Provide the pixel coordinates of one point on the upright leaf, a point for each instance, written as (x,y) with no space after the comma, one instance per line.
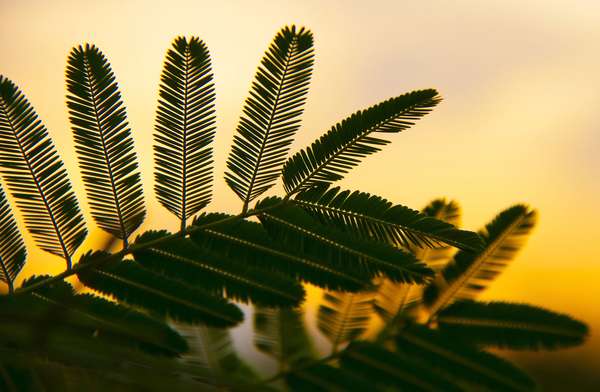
(371,216)
(12,248)
(271,114)
(329,158)
(343,317)
(509,325)
(185,128)
(127,281)
(468,273)
(103,142)
(36,177)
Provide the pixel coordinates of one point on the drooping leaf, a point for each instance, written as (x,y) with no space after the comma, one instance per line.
(459,362)
(371,216)
(343,317)
(290,225)
(280,333)
(510,325)
(185,128)
(330,157)
(36,177)
(183,260)
(248,243)
(469,272)
(127,281)
(271,114)
(103,142)
(12,247)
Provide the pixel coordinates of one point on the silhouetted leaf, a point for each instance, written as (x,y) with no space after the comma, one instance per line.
(103,142)
(271,114)
(325,378)
(12,248)
(36,177)
(185,128)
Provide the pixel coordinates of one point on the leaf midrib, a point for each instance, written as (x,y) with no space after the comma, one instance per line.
(520,325)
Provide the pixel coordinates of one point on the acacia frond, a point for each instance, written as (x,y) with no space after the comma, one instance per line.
(292,226)
(326,378)
(330,157)
(510,325)
(185,128)
(469,272)
(248,243)
(181,259)
(12,247)
(271,114)
(343,317)
(103,142)
(127,281)
(371,216)
(36,177)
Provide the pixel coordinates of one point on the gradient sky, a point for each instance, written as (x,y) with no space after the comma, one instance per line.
(519,121)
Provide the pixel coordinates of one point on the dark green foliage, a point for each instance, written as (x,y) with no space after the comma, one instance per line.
(127,281)
(343,317)
(36,177)
(453,360)
(325,378)
(248,242)
(469,272)
(371,216)
(182,259)
(280,333)
(271,114)
(12,248)
(510,325)
(292,226)
(103,142)
(185,128)
(329,158)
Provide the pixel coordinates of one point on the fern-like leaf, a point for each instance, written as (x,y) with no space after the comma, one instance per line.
(371,216)
(510,325)
(246,242)
(183,260)
(468,273)
(36,177)
(271,114)
(103,142)
(127,281)
(329,158)
(185,128)
(280,333)
(343,317)
(292,226)
(326,378)
(12,248)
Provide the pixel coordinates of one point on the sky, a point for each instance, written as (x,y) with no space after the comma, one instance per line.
(519,121)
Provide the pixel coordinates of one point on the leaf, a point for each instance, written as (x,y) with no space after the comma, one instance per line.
(387,370)
(185,129)
(280,333)
(343,317)
(36,177)
(460,363)
(325,378)
(510,325)
(127,281)
(271,114)
(292,226)
(469,272)
(12,248)
(330,157)
(371,216)
(393,299)
(183,260)
(248,243)
(103,142)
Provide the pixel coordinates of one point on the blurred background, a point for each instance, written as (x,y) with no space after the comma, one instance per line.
(519,121)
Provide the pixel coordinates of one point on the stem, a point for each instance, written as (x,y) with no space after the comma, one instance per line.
(137,247)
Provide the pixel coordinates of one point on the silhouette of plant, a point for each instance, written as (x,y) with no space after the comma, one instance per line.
(173,294)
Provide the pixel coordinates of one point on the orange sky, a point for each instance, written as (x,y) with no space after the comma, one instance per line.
(519,121)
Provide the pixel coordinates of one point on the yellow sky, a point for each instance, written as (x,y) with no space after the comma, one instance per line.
(519,121)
